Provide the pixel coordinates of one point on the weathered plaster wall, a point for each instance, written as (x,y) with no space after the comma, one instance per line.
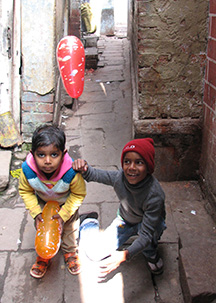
(38,36)
(169,50)
(208,158)
(42,24)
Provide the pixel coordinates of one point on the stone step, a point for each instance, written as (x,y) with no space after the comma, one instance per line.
(90,41)
(91,54)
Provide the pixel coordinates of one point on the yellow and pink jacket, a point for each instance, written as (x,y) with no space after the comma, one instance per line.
(66,186)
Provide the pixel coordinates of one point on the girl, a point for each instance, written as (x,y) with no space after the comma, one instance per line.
(47,175)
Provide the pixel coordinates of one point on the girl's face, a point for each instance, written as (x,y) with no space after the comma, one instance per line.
(134,167)
(48,158)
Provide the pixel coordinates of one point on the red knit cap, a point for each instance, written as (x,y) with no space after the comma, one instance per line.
(144,147)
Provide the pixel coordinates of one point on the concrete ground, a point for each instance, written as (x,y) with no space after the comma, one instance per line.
(97,127)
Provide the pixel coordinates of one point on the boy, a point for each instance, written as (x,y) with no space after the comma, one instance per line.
(47,175)
(141,210)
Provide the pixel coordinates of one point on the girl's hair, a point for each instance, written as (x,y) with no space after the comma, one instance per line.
(45,135)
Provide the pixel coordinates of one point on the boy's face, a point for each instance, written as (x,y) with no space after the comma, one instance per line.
(134,167)
(48,158)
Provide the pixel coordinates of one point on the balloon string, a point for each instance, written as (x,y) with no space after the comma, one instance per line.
(80,128)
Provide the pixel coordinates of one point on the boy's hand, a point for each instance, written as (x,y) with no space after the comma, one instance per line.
(80,165)
(38,219)
(112,262)
(61,222)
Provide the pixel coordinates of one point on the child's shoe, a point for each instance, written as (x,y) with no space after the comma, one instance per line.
(73,263)
(155,265)
(39,268)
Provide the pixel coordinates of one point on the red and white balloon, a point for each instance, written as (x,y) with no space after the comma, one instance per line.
(71,63)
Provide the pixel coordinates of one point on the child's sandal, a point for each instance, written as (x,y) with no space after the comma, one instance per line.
(155,265)
(73,263)
(39,269)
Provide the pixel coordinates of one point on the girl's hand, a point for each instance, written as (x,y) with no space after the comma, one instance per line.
(38,219)
(80,165)
(61,222)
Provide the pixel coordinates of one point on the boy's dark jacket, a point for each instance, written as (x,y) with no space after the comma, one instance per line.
(140,203)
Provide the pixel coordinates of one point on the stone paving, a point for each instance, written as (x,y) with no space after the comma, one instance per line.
(97,127)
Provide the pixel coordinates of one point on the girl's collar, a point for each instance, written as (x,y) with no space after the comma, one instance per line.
(66,164)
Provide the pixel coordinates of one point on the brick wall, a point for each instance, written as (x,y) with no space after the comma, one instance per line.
(169,40)
(208,158)
(36,110)
(171,58)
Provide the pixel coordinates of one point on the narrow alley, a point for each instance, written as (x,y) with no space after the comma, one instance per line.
(97,127)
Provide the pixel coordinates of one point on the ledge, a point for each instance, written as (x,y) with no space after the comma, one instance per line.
(167,126)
